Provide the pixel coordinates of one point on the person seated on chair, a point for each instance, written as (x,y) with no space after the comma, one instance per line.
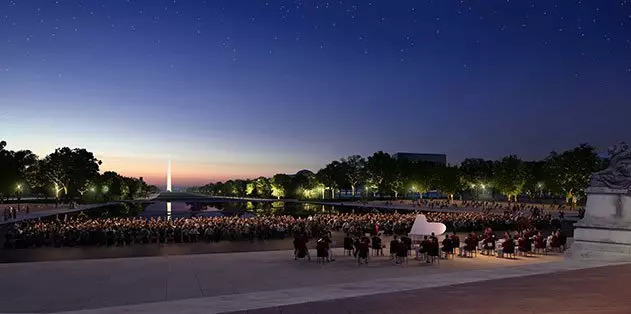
(508,247)
(562,240)
(407,242)
(394,244)
(362,252)
(455,242)
(327,244)
(555,241)
(475,238)
(488,244)
(424,248)
(529,241)
(322,250)
(348,244)
(434,249)
(401,253)
(522,245)
(488,232)
(447,246)
(471,243)
(539,242)
(517,235)
(376,245)
(356,243)
(433,238)
(300,247)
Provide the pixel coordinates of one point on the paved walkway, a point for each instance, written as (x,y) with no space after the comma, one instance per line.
(314,297)
(596,290)
(229,282)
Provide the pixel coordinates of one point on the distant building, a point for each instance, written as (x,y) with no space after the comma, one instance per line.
(440,159)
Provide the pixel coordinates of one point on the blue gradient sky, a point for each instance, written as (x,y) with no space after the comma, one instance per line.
(248,88)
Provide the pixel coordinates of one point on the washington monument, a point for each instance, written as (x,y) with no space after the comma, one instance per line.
(169,176)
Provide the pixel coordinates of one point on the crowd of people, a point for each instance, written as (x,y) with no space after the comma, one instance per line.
(430,248)
(477,205)
(80,230)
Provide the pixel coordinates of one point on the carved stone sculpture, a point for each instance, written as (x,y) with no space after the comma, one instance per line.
(605,231)
(618,174)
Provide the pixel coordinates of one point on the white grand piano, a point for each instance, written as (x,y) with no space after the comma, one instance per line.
(422,227)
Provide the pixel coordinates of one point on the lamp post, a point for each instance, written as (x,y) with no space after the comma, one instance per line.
(18,194)
(105,190)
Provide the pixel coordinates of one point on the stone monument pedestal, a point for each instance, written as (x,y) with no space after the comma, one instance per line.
(605,230)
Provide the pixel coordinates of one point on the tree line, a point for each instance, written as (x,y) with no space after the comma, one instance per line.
(563,174)
(66,174)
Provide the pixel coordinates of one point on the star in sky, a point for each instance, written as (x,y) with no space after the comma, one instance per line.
(324,77)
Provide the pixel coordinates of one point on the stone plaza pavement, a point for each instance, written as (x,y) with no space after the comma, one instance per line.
(219,283)
(595,290)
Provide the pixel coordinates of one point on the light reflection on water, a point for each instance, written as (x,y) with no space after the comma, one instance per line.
(173,210)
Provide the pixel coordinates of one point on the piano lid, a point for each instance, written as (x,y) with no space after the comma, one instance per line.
(422,227)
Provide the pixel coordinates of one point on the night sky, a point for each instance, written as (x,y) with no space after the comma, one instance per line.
(242,88)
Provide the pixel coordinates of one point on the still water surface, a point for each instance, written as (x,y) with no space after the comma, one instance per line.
(175,210)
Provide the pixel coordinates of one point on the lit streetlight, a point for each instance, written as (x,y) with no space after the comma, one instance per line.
(93,193)
(105,190)
(18,194)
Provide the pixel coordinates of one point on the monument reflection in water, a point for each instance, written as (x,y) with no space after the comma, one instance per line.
(168,210)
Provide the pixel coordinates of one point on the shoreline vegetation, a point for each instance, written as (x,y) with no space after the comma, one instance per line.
(560,178)
(65,175)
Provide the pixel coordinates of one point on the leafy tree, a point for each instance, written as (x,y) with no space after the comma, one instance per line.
(510,176)
(250,188)
(477,170)
(420,176)
(111,185)
(152,189)
(136,187)
(303,183)
(70,169)
(240,187)
(330,176)
(566,174)
(7,171)
(381,168)
(569,172)
(280,185)
(401,177)
(448,180)
(229,189)
(263,187)
(15,169)
(37,181)
(354,168)
(536,177)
